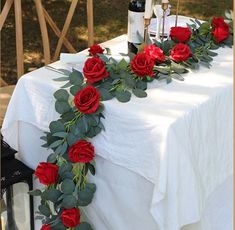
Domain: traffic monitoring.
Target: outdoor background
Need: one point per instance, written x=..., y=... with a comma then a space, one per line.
x=110, y=20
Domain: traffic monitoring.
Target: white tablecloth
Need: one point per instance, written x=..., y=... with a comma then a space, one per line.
x=159, y=159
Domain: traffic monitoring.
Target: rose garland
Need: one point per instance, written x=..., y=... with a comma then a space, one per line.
x=79, y=104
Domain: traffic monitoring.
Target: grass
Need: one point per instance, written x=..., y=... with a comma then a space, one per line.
x=110, y=19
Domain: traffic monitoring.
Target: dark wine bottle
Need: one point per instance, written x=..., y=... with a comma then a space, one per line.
x=135, y=24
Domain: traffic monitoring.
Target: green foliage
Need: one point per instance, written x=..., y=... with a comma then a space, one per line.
x=72, y=188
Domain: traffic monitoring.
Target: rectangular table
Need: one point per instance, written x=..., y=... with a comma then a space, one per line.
x=160, y=158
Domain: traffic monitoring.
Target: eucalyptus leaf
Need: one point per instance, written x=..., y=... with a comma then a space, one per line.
x=45, y=210
x=55, y=144
x=83, y=226
x=61, y=79
x=35, y=192
x=56, y=126
x=123, y=96
x=62, y=107
x=51, y=195
x=76, y=77
x=67, y=186
x=139, y=93
x=75, y=89
x=60, y=134
x=61, y=95
x=52, y=158
x=69, y=201
x=105, y=94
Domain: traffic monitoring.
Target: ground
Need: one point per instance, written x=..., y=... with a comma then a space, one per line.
x=110, y=18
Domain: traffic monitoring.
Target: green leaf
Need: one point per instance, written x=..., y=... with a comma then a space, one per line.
x=35, y=192
x=129, y=81
x=66, y=167
x=56, y=126
x=60, y=134
x=168, y=79
x=58, y=226
x=68, y=116
x=141, y=85
x=65, y=71
x=67, y=186
x=122, y=64
x=211, y=53
x=55, y=144
x=163, y=70
x=61, y=79
x=123, y=96
x=51, y=195
x=76, y=77
x=83, y=226
x=105, y=94
x=71, y=138
x=104, y=58
x=75, y=89
x=61, y=95
x=91, y=168
x=44, y=210
x=69, y=201
x=85, y=196
x=139, y=93
x=64, y=148
x=52, y=158
x=68, y=84
x=62, y=107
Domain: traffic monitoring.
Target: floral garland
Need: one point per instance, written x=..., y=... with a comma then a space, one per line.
x=79, y=104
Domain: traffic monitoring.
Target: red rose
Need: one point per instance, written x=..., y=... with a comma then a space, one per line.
x=94, y=70
x=46, y=227
x=95, y=49
x=180, y=52
x=82, y=151
x=70, y=217
x=47, y=173
x=87, y=100
x=220, y=34
x=142, y=65
x=155, y=53
x=180, y=34
x=220, y=29
x=218, y=22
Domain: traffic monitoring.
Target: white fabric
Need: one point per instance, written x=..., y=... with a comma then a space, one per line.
x=118, y=195
x=179, y=138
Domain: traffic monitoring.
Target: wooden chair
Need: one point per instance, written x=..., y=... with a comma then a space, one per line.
x=43, y=18
x=5, y=90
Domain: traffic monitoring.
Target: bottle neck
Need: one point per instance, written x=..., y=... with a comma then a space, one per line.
x=137, y=5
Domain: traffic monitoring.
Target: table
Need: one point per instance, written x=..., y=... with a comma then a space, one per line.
x=160, y=159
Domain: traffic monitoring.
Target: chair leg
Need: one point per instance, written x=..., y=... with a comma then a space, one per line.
x=11, y=225
x=31, y=204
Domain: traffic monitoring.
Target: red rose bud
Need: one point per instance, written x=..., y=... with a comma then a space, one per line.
x=87, y=100
x=95, y=49
x=94, y=70
x=47, y=173
x=70, y=217
x=220, y=34
x=218, y=22
x=220, y=29
x=46, y=227
x=155, y=53
x=82, y=151
x=142, y=65
x=180, y=52
x=180, y=34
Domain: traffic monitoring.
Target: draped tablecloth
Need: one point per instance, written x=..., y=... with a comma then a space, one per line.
x=177, y=142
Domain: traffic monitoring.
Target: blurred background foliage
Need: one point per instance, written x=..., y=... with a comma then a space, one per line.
x=110, y=19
